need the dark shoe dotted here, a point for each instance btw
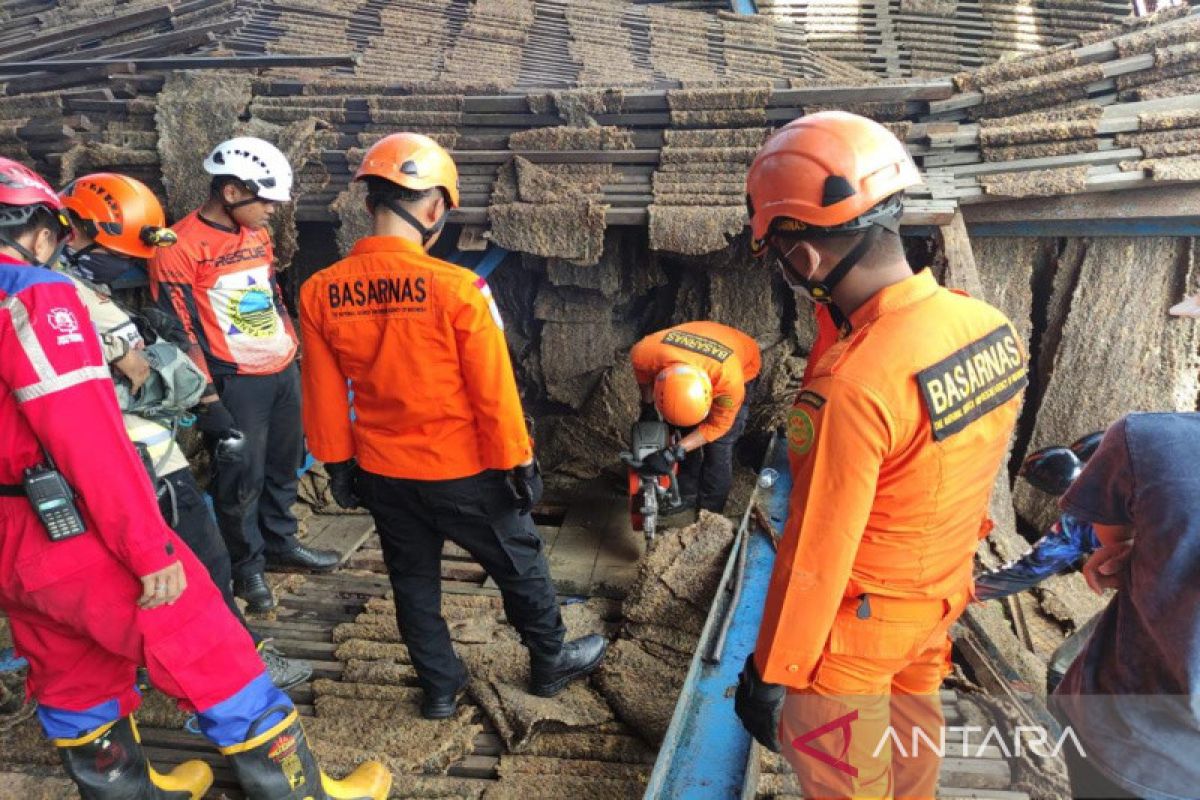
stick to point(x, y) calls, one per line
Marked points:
point(301, 557)
point(278, 763)
point(284, 672)
point(255, 591)
point(550, 675)
point(442, 706)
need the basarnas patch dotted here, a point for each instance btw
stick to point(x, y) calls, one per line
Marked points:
point(698, 344)
point(801, 433)
point(973, 381)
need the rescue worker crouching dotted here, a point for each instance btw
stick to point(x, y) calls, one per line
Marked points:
point(698, 377)
point(894, 444)
point(117, 222)
point(93, 581)
point(219, 282)
point(437, 446)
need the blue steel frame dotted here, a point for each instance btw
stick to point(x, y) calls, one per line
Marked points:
point(706, 751)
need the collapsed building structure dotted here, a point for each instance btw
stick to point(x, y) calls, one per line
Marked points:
point(602, 146)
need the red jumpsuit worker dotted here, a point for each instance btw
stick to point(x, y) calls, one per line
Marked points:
point(120, 589)
point(437, 446)
point(894, 443)
point(698, 376)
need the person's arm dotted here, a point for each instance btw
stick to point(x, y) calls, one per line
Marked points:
point(488, 375)
point(837, 451)
point(326, 405)
point(173, 286)
point(53, 364)
point(729, 392)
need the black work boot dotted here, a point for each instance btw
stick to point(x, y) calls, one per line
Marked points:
point(284, 672)
point(278, 764)
point(255, 591)
point(304, 558)
point(549, 675)
point(442, 706)
point(109, 764)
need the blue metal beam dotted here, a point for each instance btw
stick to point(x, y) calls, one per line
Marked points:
point(706, 750)
point(743, 7)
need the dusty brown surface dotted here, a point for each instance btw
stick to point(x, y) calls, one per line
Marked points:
point(1036, 183)
point(694, 231)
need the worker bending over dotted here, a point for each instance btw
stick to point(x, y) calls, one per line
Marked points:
point(219, 281)
point(894, 444)
point(437, 445)
point(93, 581)
point(696, 376)
point(117, 222)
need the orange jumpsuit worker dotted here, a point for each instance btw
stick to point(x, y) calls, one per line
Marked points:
point(894, 444)
point(437, 446)
point(697, 375)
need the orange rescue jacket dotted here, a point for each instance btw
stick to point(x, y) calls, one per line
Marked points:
point(894, 444)
point(420, 344)
point(730, 357)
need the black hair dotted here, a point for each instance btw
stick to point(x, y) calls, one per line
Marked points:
point(216, 187)
point(381, 191)
point(20, 221)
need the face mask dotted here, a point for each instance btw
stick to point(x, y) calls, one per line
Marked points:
point(99, 266)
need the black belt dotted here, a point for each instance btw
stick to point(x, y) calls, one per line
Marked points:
point(12, 490)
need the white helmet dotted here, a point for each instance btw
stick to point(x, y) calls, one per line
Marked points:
point(256, 163)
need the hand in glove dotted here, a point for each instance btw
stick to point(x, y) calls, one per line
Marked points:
point(759, 705)
point(342, 476)
point(525, 483)
point(214, 419)
point(662, 462)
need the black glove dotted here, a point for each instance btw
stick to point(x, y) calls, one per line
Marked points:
point(214, 420)
point(661, 462)
point(649, 413)
point(759, 705)
point(342, 478)
point(525, 483)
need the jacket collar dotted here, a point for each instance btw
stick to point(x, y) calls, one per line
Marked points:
point(891, 298)
point(386, 244)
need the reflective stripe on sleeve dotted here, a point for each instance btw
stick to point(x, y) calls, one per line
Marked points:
point(49, 381)
point(60, 382)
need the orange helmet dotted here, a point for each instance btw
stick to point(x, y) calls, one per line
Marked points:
point(830, 172)
point(118, 213)
point(413, 161)
point(683, 395)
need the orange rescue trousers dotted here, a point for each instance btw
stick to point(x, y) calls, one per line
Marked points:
point(871, 724)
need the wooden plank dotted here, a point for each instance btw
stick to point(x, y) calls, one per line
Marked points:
point(345, 533)
point(961, 271)
point(181, 62)
point(474, 766)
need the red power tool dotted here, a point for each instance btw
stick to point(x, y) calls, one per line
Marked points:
point(649, 494)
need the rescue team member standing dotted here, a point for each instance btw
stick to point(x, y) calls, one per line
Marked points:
point(437, 446)
point(696, 375)
point(93, 581)
point(117, 221)
point(894, 445)
point(219, 280)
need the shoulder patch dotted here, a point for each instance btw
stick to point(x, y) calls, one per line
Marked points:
point(810, 398)
point(973, 381)
point(801, 433)
point(698, 344)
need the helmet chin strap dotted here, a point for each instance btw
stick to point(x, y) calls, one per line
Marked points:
point(28, 255)
point(822, 290)
point(426, 233)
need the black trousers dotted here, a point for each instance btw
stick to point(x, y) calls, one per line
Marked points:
point(253, 498)
point(414, 518)
point(707, 473)
point(199, 532)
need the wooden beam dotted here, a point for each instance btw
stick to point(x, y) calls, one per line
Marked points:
point(961, 272)
point(181, 62)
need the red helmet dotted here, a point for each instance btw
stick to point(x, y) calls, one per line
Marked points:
point(23, 192)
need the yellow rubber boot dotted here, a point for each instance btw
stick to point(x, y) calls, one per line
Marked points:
point(278, 764)
point(109, 764)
